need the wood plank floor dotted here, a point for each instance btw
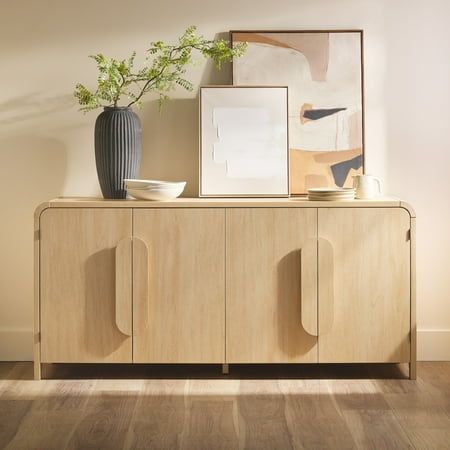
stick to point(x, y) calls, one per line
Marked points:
point(274, 407)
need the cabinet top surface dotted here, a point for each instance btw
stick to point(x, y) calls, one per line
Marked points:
point(292, 202)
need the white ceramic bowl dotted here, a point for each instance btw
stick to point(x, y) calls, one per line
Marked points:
point(180, 185)
point(144, 184)
point(158, 193)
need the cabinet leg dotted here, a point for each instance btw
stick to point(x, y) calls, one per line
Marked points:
point(225, 369)
point(413, 370)
point(37, 370)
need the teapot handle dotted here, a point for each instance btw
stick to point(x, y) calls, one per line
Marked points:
point(379, 184)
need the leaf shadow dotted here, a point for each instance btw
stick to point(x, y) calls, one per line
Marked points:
point(33, 105)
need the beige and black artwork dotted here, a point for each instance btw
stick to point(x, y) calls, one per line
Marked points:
point(323, 71)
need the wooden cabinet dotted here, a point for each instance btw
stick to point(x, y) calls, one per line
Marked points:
point(271, 272)
point(179, 285)
point(364, 285)
point(79, 321)
point(318, 285)
point(224, 281)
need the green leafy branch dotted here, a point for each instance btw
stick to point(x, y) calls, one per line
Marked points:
point(165, 69)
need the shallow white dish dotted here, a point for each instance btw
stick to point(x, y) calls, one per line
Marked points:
point(131, 183)
point(330, 199)
point(331, 194)
point(343, 194)
point(330, 191)
point(158, 193)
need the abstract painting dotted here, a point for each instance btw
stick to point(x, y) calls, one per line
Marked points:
point(323, 71)
point(243, 141)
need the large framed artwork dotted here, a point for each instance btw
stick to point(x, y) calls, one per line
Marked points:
point(244, 141)
point(324, 73)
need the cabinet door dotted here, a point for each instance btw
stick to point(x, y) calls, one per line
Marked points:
point(364, 285)
point(179, 285)
point(83, 317)
point(271, 285)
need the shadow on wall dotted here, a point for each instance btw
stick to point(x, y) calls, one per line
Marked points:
point(32, 170)
point(170, 142)
point(33, 167)
point(34, 105)
point(170, 149)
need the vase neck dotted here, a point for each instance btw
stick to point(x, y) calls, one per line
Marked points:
point(117, 108)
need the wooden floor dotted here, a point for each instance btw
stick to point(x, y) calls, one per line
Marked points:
point(188, 408)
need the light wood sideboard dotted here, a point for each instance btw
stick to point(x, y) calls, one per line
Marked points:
point(224, 281)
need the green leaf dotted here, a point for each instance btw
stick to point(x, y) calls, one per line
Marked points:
point(164, 69)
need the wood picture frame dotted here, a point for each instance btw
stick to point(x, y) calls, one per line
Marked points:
point(252, 159)
point(315, 161)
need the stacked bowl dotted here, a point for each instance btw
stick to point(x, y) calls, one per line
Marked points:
point(154, 189)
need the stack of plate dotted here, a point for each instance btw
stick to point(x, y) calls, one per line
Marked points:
point(331, 194)
point(154, 189)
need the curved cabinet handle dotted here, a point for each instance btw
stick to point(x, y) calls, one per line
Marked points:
point(326, 285)
point(141, 273)
point(124, 290)
point(308, 283)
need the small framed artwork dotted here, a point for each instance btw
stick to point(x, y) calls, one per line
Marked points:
point(324, 73)
point(244, 141)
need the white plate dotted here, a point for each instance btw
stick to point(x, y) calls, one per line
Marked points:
point(334, 194)
point(326, 191)
point(330, 199)
point(344, 194)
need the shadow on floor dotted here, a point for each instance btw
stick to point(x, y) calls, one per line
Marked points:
point(238, 371)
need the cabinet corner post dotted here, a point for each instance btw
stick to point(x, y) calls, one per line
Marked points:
point(37, 370)
point(413, 370)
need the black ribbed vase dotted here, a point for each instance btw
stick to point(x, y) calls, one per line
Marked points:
point(117, 149)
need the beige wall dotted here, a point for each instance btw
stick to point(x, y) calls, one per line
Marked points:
point(46, 146)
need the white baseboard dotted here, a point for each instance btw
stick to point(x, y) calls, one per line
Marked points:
point(16, 344)
point(433, 345)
